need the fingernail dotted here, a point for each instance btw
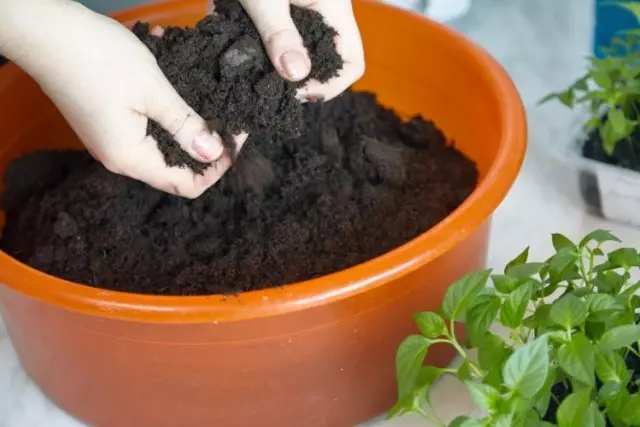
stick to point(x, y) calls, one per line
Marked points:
point(208, 146)
point(295, 64)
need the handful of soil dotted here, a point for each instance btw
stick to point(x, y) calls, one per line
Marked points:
point(356, 184)
point(317, 188)
point(222, 71)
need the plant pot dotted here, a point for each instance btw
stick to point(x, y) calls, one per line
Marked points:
point(609, 191)
point(317, 353)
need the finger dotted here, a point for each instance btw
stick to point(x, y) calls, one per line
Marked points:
point(280, 36)
point(178, 181)
point(210, 7)
point(189, 130)
point(157, 31)
point(339, 15)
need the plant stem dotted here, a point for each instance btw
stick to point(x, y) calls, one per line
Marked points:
point(454, 342)
point(586, 278)
point(432, 419)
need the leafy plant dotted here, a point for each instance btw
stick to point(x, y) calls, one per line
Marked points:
point(568, 359)
point(610, 87)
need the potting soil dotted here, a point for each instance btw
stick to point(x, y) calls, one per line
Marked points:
point(221, 69)
point(329, 186)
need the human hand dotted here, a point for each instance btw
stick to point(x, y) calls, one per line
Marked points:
point(286, 49)
point(108, 85)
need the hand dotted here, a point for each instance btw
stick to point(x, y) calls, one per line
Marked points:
point(286, 50)
point(107, 85)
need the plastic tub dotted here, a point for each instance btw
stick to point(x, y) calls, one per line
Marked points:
point(314, 354)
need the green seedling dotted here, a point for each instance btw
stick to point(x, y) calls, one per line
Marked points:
point(610, 88)
point(568, 357)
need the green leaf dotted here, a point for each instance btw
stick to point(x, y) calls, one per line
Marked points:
point(419, 396)
point(491, 351)
point(592, 123)
point(561, 242)
point(404, 405)
point(462, 293)
point(558, 337)
point(464, 371)
point(515, 305)
point(526, 369)
point(609, 282)
point(568, 312)
point(609, 137)
point(615, 406)
point(630, 412)
point(505, 284)
point(520, 259)
point(503, 420)
point(577, 358)
point(594, 330)
point(601, 306)
point(543, 397)
point(427, 376)
point(562, 266)
point(480, 317)
point(539, 318)
point(567, 98)
point(598, 236)
point(619, 337)
point(486, 397)
point(603, 302)
point(618, 121)
point(430, 324)
point(608, 391)
point(601, 78)
point(594, 418)
point(409, 359)
point(464, 421)
point(573, 410)
point(624, 257)
point(611, 368)
point(548, 98)
point(524, 271)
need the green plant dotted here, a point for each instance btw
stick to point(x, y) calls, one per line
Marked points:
point(572, 334)
point(611, 88)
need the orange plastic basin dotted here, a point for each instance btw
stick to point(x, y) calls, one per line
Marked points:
point(313, 354)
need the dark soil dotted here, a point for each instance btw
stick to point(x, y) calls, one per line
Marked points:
point(626, 153)
point(317, 188)
point(221, 69)
point(358, 183)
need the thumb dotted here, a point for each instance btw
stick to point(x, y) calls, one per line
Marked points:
point(280, 36)
point(189, 130)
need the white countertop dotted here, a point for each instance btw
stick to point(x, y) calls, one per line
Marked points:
point(541, 44)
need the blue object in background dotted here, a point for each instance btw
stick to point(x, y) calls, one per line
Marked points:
point(609, 21)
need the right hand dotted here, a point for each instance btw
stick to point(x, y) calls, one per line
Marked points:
point(286, 49)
